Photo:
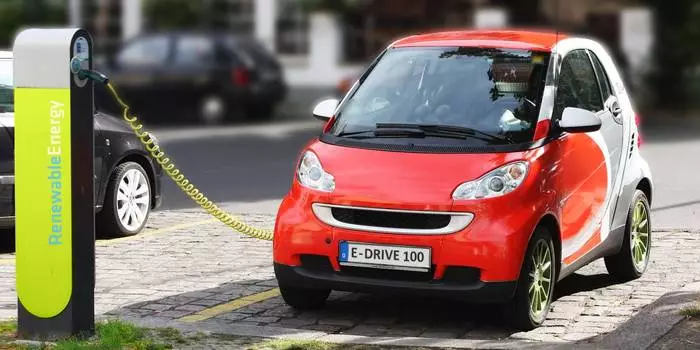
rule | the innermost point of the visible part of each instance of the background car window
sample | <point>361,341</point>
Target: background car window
<point>191,50</point>
<point>577,86</point>
<point>605,87</point>
<point>146,51</point>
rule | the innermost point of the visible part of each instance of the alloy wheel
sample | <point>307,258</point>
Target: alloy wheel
<point>639,236</point>
<point>133,199</point>
<point>541,277</point>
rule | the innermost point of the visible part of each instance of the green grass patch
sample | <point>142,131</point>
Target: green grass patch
<point>172,335</point>
<point>692,311</point>
<point>280,344</point>
<point>294,345</point>
<point>110,335</point>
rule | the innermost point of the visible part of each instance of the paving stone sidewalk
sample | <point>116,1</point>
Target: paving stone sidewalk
<point>183,269</point>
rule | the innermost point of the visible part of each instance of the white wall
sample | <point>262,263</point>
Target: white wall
<point>132,18</point>
<point>637,35</point>
<point>323,66</point>
<point>490,17</point>
<point>265,14</point>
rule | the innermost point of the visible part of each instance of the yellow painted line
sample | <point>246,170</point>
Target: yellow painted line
<point>231,306</point>
<point>156,232</point>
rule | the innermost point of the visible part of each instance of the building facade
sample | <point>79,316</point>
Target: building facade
<point>319,48</point>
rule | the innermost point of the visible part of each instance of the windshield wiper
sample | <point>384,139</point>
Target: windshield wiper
<point>447,131</point>
<point>384,132</point>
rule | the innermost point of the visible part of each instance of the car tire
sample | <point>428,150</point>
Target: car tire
<point>126,209</point>
<point>632,260</point>
<point>537,276</point>
<point>213,110</point>
<point>304,298</point>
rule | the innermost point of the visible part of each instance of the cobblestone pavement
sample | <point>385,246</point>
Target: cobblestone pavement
<point>186,263</point>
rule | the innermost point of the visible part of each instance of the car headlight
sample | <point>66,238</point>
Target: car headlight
<point>495,183</point>
<point>311,174</point>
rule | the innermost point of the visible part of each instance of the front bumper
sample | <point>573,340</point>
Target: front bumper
<point>457,283</point>
<point>493,245</point>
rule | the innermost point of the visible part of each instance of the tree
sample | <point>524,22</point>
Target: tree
<point>18,14</point>
<point>337,6</point>
<point>174,14</point>
<point>677,51</point>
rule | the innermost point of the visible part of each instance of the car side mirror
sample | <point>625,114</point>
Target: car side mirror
<point>325,109</point>
<point>577,120</point>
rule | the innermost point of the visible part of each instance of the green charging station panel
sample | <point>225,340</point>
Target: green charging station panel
<point>54,184</point>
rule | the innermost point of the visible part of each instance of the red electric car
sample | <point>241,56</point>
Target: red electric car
<point>481,165</point>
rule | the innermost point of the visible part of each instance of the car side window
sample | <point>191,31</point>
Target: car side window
<point>192,50</point>
<point>603,80</point>
<point>577,85</point>
<point>145,52</point>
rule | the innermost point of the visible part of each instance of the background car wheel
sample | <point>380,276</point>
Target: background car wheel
<point>127,202</point>
<point>632,260</point>
<point>535,290</point>
<point>304,298</point>
<point>212,110</point>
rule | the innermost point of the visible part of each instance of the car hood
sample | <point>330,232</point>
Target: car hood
<point>415,181</point>
<point>7,121</point>
<point>109,122</point>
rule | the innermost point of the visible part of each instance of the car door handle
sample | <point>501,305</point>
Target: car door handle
<point>616,110</point>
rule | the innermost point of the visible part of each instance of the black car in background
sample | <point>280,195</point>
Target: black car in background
<point>127,182</point>
<point>202,76</point>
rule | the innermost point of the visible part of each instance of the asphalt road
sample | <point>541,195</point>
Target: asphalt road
<point>250,167</point>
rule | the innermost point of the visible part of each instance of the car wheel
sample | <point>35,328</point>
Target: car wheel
<point>633,259</point>
<point>212,110</point>
<point>304,298</point>
<point>533,296</point>
<point>127,201</point>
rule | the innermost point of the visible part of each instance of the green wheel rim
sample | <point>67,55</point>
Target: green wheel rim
<point>639,236</point>
<point>540,279</point>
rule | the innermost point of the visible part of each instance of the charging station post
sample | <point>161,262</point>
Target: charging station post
<point>54,184</point>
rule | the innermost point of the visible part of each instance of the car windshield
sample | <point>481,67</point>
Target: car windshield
<point>7,100</point>
<point>493,92</point>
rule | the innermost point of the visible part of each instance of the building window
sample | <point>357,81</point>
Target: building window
<point>241,15</point>
<point>292,28</point>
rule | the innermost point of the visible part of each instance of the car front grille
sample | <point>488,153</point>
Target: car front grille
<point>389,219</point>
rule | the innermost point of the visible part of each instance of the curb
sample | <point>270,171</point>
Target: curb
<point>648,326</point>
<point>214,328</point>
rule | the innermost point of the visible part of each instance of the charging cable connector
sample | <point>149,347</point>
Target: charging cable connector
<point>77,67</point>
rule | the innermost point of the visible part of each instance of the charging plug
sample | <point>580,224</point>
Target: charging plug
<point>76,67</point>
<point>93,75</point>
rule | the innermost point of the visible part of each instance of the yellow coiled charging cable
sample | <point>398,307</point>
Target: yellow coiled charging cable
<point>179,178</point>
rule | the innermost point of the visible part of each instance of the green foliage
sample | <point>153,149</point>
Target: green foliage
<point>692,311</point>
<point>337,6</point>
<point>18,14</point>
<point>173,14</point>
<point>677,52</point>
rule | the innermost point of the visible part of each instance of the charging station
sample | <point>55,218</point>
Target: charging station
<point>54,183</point>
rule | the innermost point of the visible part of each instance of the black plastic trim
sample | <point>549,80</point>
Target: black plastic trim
<point>478,292</point>
<point>426,148</point>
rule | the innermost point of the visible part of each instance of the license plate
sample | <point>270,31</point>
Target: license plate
<point>385,256</point>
